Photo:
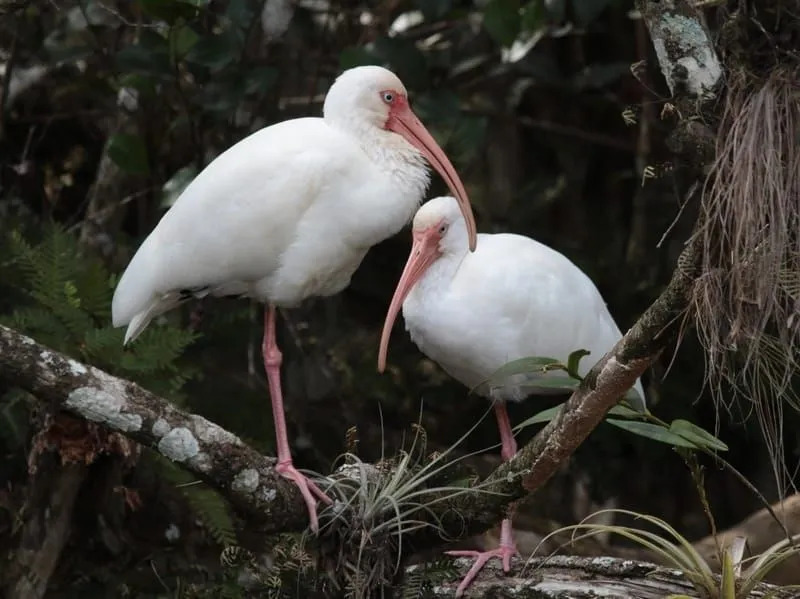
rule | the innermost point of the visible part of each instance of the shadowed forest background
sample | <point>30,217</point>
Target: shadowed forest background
<point>552,112</point>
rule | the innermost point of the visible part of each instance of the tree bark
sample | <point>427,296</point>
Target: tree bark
<point>47,526</point>
<point>247,478</point>
<point>574,577</point>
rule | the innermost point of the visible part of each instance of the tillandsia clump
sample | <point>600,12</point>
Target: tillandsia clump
<point>362,534</point>
<point>739,577</point>
<point>747,296</point>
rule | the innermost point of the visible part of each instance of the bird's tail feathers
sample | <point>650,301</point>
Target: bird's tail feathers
<point>158,306</point>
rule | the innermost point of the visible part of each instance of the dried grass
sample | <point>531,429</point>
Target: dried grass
<point>746,300</point>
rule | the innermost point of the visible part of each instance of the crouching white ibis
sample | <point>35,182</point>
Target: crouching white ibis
<point>289,213</point>
<point>474,312</point>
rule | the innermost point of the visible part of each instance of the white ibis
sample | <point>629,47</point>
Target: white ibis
<point>289,213</point>
<point>474,312</point>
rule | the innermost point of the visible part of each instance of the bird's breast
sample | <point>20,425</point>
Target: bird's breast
<point>448,334</point>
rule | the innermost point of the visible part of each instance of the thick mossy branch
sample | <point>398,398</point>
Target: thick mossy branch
<point>685,50</point>
<point>692,71</point>
<point>247,478</point>
<point>574,577</point>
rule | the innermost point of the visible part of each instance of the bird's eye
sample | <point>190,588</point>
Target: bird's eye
<point>388,97</point>
<point>442,229</point>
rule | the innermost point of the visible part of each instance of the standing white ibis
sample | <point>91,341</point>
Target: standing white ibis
<point>289,213</point>
<point>474,312</point>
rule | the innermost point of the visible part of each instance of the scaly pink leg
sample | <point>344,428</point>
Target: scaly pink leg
<point>505,551</point>
<point>509,444</point>
<point>272,364</point>
<point>507,548</point>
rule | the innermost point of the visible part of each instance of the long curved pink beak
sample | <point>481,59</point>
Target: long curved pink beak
<point>403,121</point>
<point>424,252</point>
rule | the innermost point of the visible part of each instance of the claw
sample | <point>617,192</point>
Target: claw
<point>307,489</point>
<point>505,552</point>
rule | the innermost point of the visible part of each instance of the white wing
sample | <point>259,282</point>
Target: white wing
<point>231,225</point>
<point>514,298</point>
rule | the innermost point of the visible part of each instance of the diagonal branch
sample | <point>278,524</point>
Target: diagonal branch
<point>247,478</point>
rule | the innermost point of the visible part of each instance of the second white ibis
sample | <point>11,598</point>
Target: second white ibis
<point>289,213</point>
<point>474,312</point>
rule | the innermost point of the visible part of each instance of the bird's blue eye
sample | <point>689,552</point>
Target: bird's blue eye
<point>388,97</point>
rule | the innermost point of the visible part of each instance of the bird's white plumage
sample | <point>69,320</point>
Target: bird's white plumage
<point>512,298</point>
<point>287,213</point>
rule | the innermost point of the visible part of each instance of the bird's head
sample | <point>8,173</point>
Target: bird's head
<point>438,229</point>
<point>372,96</point>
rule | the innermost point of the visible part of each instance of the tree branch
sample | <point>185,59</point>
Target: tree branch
<point>247,478</point>
<point>684,48</point>
<point>574,577</point>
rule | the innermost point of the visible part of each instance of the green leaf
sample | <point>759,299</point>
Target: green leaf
<point>142,83</point>
<point>150,53</point>
<point>541,382</point>
<point>216,51</point>
<point>533,15</point>
<point>528,365</point>
<point>182,39</point>
<point>574,361</point>
<point>433,10</point>
<point>624,412</point>
<point>240,13</point>
<point>586,11</point>
<point>174,187</point>
<point>169,10</point>
<point>655,432</point>
<point>404,58</point>
<point>356,56</point>
<point>467,138</point>
<point>633,398</point>
<point>502,20</point>
<point>556,9</point>
<point>543,416</point>
<point>129,153</point>
<point>438,107</point>
<point>696,435</point>
<point>223,93</point>
<point>531,365</point>
<point>727,588</point>
<point>259,80</point>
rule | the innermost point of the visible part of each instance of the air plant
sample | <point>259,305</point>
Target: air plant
<point>376,506</point>
<point>674,550</point>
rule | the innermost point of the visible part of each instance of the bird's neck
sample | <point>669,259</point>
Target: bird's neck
<point>391,154</point>
<point>439,275</point>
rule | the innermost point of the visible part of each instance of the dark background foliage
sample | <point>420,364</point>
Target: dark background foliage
<point>550,110</point>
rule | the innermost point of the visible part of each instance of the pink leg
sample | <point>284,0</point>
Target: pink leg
<point>272,364</point>
<point>505,551</point>
<point>509,444</point>
<point>507,548</point>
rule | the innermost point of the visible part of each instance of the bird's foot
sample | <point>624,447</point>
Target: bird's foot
<point>307,489</point>
<point>505,552</point>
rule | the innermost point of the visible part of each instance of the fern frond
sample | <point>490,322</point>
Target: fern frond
<point>209,505</point>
